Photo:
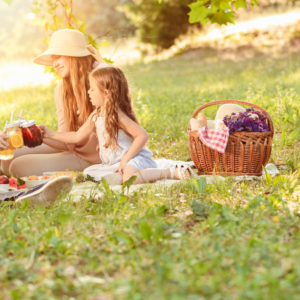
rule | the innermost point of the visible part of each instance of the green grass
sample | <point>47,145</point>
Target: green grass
<point>230,240</point>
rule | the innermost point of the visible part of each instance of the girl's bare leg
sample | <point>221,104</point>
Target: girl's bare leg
<point>148,175</point>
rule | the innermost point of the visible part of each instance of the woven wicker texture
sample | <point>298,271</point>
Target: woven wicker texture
<point>245,154</point>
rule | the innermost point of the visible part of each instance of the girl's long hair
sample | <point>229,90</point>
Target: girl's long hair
<point>74,92</point>
<point>113,80</point>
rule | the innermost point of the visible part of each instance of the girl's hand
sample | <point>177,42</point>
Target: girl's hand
<point>3,144</point>
<point>122,166</point>
<point>45,131</point>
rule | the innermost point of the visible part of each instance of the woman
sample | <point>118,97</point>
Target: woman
<point>69,54</point>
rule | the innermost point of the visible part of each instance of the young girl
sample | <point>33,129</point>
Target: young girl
<point>121,138</point>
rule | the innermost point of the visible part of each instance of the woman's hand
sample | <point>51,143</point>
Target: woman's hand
<point>122,166</point>
<point>3,144</point>
<point>45,131</point>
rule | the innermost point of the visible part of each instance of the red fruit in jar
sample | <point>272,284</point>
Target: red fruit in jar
<point>13,182</point>
<point>31,134</point>
<point>4,180</point>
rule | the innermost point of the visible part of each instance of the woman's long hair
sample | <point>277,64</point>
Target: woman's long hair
<point>113,80</point>
<point>74,92</point>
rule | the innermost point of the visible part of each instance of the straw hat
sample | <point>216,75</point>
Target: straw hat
<point>67,42</point>
<point>225,109</point>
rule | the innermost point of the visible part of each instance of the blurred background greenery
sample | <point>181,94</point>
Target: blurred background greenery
<point>160,25</point>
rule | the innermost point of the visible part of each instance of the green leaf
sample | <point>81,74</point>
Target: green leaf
<point>64,218</point>
<point>274,200</point>
<point>74,19</point>
<point>159,232</point>
<point>104,44</point>
<point>228,214</point>
<point>268,177</point>
<point>57,20</point>
<point>255,202</point>
<point>294,134</point>
<point>240,3</point>
<point>9,2</point>
<point>160,1</point>
<point>89,178</point>
<point>128,183</point>
<point>35,10</point>
<point>278,180</point>
<point>222,17</point>
<point>53,27</point>
<point>12,216</point>
<point>160,210</point>
<point>106,187</point>
<point>145,230</point>
<point>199,13</point>
<point>20,181</point>
<point>200,210</point>
<point>200,185</point>
<point>24,206</point>
<point>122,199</point>
<point>82,28</point>
<point>124,238</point>
<point>254,3</point>
<point>220,4</point>
<point>51,11</point>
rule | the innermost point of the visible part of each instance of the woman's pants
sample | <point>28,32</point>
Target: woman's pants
<point>36,161</point>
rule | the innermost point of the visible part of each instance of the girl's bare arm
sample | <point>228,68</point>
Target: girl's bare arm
<point>69,137</point>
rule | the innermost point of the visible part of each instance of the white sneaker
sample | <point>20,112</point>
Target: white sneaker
<point>47,194</point>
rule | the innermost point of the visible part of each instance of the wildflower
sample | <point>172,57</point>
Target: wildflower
<point>251,120</point>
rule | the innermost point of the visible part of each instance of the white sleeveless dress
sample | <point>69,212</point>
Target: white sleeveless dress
<point>111,159</point>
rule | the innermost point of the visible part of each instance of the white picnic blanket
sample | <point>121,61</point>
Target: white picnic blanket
<point>90,188</point>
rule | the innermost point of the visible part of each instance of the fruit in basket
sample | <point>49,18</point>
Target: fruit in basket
<point>33,177</point>
<point>45,177</point>
<point>4,180</point>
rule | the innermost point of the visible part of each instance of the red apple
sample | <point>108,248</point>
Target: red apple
<point>4,180</point>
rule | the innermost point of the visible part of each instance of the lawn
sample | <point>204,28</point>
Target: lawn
<point>230,240</point>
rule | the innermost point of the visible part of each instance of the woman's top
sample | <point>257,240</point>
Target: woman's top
<point>87,150</point>
<point>109,156</point>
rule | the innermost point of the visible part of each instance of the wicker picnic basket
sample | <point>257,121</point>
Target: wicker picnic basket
<point>245,153</point>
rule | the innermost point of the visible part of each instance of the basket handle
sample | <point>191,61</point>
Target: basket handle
<point>195,113</point>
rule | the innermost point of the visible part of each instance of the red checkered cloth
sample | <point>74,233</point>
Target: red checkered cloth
<point>215,139</point>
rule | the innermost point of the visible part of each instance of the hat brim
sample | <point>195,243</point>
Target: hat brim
<point>46,59</point>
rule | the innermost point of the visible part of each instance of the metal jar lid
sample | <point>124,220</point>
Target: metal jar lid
<point>28,124</point>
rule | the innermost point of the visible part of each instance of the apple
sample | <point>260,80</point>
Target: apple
<point>4,180</point>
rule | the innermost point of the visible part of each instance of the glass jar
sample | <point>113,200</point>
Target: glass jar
<point>7,154</point>
<point>15,135</point>
<point>31,134</point>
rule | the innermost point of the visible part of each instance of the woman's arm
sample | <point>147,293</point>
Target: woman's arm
<point>140,135</point>
<point>56,144</point>
<point>69,137</point>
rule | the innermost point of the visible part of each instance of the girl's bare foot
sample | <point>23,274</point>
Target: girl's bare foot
<point>180,172</point>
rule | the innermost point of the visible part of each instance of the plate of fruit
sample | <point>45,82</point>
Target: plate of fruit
<point>36,180</point>
<point>4,183</point>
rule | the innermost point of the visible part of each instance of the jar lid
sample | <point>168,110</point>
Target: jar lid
<point>11,125</point>
<point>18,122</point>
<point>28,124</point>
